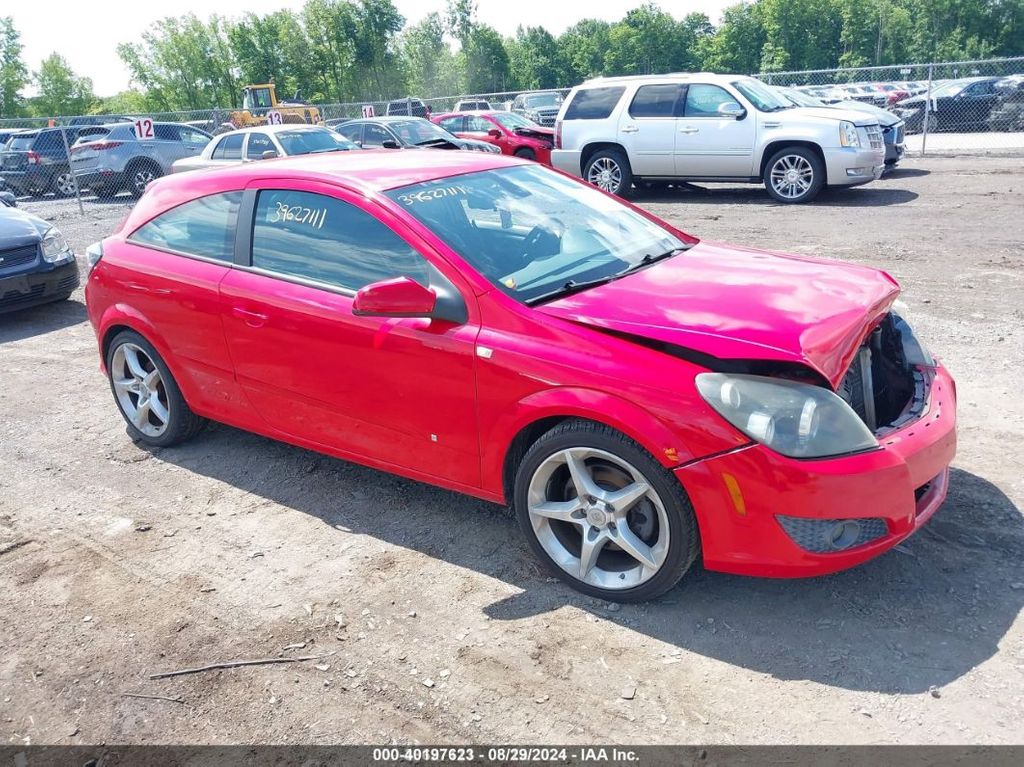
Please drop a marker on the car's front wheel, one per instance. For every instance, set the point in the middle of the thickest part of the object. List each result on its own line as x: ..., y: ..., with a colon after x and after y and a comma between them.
x: 140, y: 173
x: 603, y: 514
x: 147, y: 394
x: 609, y: 170
x: 794, y: 174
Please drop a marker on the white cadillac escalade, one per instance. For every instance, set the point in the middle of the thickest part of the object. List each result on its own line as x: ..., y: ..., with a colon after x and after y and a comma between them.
x: 703, y: 127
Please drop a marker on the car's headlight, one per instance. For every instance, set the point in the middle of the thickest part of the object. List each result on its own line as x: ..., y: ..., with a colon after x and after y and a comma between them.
x: 848, y: 134
x: 55, y: 248
x: 795, y: 419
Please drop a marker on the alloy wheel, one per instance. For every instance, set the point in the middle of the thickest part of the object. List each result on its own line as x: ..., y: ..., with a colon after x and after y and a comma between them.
x: 598, y: 518
x: 65, y: 184
x: 606, y: 174
x: 792, y: 176
x: 140, y: 390
x: 141, y: 178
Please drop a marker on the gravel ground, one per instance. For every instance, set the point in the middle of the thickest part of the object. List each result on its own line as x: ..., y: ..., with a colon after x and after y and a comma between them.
x: 435, y: 622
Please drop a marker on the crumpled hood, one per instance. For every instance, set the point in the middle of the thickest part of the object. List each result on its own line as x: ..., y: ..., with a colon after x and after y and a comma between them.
x: 828, y: 113
x: 18, y: 228
x: 731, y: 302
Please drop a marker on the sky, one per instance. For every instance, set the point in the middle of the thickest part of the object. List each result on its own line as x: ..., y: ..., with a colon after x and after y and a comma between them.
x: 87, y: 34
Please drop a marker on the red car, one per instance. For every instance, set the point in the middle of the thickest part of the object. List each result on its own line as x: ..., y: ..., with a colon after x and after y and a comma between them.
x: 512, y: 133
x: 495, y: 327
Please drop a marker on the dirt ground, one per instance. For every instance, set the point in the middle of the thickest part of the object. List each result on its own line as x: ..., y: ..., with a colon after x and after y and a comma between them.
x: 435, y: 621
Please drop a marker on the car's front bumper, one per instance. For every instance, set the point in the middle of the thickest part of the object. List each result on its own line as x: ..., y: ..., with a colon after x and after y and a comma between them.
x: 24, y: 290
x: 567, y: 161
x: 739, y: 496
x: 850, y: 166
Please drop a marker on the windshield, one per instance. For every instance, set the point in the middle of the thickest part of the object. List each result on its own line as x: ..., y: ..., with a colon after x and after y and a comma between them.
x: 763, y: 97
x: 419, y: 131
x: 543, y: 100
x: 950, y: 89
x: 511, y: 121
x: 800, y: 98
x: 533, y: 232
x: 313, y: 140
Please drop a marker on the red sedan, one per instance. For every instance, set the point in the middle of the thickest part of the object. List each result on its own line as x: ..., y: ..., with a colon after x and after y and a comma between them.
x: 512, y: 133
x: 492, y: 326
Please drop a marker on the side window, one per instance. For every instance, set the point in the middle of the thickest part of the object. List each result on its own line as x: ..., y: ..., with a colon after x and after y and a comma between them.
x: 321, y: 238
x: 165, y: 132
x: 655, y: 101
x: 452, y: 124
x: 593, y: 103
x: 193, y: 136
x: 351, y: 132
x: 203, y: 227
x: 374, y: 135
x: 258, y: 144
x: 704, y: 100
x: 229, y: 148
x: 477, y: 124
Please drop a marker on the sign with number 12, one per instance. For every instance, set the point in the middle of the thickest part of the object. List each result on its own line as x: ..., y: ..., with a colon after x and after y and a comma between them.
x: 143, y: 128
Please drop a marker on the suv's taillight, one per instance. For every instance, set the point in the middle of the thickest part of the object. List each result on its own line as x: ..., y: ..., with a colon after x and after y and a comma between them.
x: 558, y: 134
x: 99, y: 146
x: 32, y: 158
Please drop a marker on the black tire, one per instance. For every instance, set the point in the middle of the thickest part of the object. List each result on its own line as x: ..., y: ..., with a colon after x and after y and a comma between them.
x: 140, y: 173
x: 526, y: 153
x: 609, y: 169
x: 182, y: 424
x: 684, y: 539
x: 800, y: 160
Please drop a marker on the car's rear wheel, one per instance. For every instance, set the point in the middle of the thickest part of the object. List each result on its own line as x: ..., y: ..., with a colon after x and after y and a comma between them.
x: 63, y: 184
x: 603, y: 515
x: 526, y: 153
x: 609, y: 170
x: 140, y: 174
x: 794, y: 174
x: 147, y: 394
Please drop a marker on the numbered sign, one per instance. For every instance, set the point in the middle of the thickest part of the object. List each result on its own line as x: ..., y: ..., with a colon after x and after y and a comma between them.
x: 368, y: 110
x: 274, y: 117
x: 143, y: 128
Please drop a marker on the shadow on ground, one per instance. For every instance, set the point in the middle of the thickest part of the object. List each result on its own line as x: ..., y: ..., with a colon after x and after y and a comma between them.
x: 37, y: 320
x: 870, y: 195
x: 919, y: 616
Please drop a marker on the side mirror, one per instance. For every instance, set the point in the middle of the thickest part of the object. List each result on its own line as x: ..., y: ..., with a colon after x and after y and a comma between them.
x: 398, y: 297
x: 390, y: 143
x: 732, y: 109
x: 494, y: 133
x: 269, y: 154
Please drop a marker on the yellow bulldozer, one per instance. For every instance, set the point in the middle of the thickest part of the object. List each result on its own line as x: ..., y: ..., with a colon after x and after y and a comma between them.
x: 260, y: 100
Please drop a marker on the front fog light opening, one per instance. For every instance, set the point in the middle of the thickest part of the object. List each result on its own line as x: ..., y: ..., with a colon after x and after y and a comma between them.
x: 830, y: 536
x: 843, y: 534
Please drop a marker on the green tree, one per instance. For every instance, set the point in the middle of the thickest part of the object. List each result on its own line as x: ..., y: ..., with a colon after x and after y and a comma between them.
x: 582, y: 47
x: 378, y: 23
x: 60, y: 90
x: 430, y: 65
x: 486, y: 61
x: 535, y: 60
x: 13, y: 72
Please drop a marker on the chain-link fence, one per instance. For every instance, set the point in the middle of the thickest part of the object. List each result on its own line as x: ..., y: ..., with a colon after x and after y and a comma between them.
x: 966, y: 106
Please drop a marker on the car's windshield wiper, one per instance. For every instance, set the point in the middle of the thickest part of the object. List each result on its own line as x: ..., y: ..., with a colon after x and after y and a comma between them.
x: 650, y: 258
x: 570, y: 287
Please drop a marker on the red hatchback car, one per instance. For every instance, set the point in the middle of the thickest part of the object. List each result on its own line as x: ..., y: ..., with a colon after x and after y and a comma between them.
x: 512, y: 133
x: 495, y: 327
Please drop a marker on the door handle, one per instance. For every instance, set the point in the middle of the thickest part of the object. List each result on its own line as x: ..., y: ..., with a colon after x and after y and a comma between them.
x: 630, y: 129
x: 771, y: 125
x: 689, y: 129
x: 252, y: 319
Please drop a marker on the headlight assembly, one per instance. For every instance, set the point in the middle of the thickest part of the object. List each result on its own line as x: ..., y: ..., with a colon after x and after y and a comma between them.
x: 55, y: 248
x: 848, y: 135
x: 795, y: 419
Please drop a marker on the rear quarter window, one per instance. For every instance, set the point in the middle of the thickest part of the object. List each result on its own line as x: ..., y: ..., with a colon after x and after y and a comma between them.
x: 593, y: 103
x: 204, y: 227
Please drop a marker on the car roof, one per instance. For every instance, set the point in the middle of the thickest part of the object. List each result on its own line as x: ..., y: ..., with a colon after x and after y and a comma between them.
x: 387, y: 119
x: 368, y: 170
x: 283, y: 127
x: 665, y: 76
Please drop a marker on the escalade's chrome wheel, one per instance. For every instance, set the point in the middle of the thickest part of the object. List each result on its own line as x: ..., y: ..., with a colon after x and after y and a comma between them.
x: 606, y: 174
x: 792, y: 176
x: 603, y: 514
x: 598, y: 518
x: 140, y: 390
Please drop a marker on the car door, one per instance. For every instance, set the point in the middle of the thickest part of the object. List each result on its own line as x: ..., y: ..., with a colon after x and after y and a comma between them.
x: 256, y: 144
x: 479, y: 128
x: 648, y: 127
x: 167, y: 145
x: 353, y: 132
x: 974, y: 103
x: 228, y: 150
x: 711, y: 144
x: 396, y: 392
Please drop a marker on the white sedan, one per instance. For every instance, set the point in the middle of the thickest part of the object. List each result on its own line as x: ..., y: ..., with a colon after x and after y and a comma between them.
x: 264, y: 142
